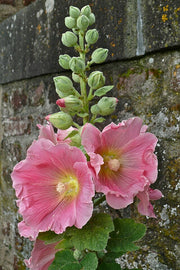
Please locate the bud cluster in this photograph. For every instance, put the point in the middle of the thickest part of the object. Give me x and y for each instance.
(70, 101)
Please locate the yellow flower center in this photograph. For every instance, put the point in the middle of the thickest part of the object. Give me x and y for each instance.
(68, 187)
(112, 161)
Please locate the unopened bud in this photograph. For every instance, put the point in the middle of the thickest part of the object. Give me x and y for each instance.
(86, 10)
(60, 120)
(69, 39)
(64, 60)
(70, 104)
(64, 86)
(107, 105)
(83, 22)
(74, 12)
(95, 109)
(91, 18)
(99, 55)
(77, 64)
(96, 80)
(70, 22)
(91, 36)
(75, 77)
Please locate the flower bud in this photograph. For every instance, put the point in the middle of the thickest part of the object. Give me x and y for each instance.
(74, 12)
(91, 36)
(86, 10)
(75, 77)
(76, 140)
(70, 22)
(77, 64)
(95, 109)
(107, 105)
(96, 80)
(82, 22)
(91, 18)
(69, 39)
(99, 55)
(64, 61)
(64, 86)
(70, 104)
(60, 120)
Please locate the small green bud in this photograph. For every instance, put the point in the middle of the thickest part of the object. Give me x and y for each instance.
(77, 64)
(77, 254)
(96, 80)
(64, 86)
(107, 105)
(74, 12)
(75, 77)
(82, 22)
(70, 22)
(91, 36)
(69, 39)
(99, 55)
(60, 120)
(95, 109)
(86, 10)
(91, 18)
(64, 61)
(70, 104)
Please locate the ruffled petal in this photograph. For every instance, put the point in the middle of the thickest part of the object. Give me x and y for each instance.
(91, 139)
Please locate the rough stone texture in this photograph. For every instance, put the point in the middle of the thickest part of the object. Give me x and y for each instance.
(148, 87)
(128, 28)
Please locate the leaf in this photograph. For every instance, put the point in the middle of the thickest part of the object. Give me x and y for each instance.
(111, 256)
(71, 134)
(64, 244)
(83, 114)
(64, 260)
(89, 262)
(94, 235)
(103, 90)
(109, 266)
(99, 120)
(50, 237)
(126, 232)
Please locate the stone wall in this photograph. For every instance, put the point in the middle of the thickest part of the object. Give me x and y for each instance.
(144, 65)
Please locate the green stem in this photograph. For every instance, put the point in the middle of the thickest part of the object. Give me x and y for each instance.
(99, 200)
(76, 125)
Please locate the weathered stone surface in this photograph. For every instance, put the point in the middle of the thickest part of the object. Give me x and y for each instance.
(149, 88)
(30, 40)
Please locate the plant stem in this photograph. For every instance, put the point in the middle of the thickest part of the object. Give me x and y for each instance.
(99, 200)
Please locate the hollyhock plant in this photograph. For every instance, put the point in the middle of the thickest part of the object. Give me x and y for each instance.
(42, 256)
(54, 188)
(123, 162)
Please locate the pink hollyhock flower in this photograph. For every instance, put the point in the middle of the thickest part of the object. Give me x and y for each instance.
(123, 162)
(42, 256)
(47, 132)
(54, 187)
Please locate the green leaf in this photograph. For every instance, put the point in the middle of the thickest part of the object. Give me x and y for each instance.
(111, 256)
(82, 114)
(126, 232)
(109, 266)
(64, 244)
(94, 235)
(71, 134)
(64, 260)
(89, 262)
(50, 237)
(103, 90)
(99, 120)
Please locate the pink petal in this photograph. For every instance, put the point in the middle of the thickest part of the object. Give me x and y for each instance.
(90, 138)
(47, 132)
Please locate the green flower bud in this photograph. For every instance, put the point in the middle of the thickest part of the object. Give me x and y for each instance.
(95, 109)
(74, 12)
(69, 39)
(82, 22)
(64, 86)
(75, 77)
(99, 55)
(70, 104)
(77, 64)
(91, 36)
(86, 10)
(70, 22)
(60, 120)
(91, 18)
(96, 80)
(107, 105)
(64, 61)
(76, 140)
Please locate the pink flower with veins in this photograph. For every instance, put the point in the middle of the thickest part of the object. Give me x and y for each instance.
(47, 132)
(123, 163)
(42, 256)
(54, 187)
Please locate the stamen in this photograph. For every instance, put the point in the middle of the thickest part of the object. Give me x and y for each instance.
(114, 164)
